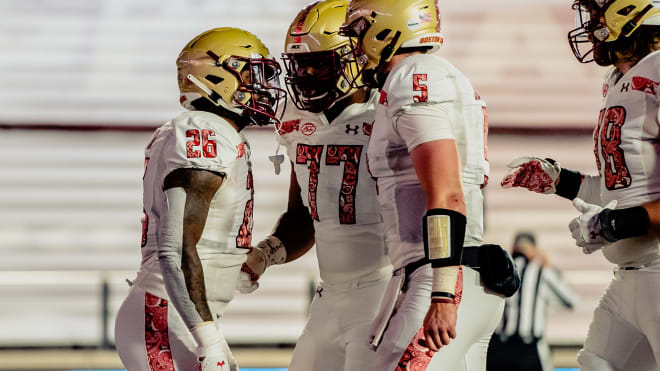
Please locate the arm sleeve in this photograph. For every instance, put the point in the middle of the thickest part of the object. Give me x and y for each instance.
(170, 253)
(425, 123)
(590, 189)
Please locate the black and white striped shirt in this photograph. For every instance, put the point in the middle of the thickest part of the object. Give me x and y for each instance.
(525, 311)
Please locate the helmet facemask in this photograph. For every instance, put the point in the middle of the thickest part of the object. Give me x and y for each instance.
(259, 93)
(582, 38)
(316, 80)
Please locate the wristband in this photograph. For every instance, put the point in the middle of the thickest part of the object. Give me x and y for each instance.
(624, 223)
(206, 334)
(569, 184)
(273, 250)
(444, 283)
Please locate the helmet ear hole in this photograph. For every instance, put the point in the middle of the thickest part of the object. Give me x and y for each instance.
(383, 34)
(625, 11)
(214, 79)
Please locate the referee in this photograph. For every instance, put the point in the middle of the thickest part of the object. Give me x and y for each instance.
(518, 344)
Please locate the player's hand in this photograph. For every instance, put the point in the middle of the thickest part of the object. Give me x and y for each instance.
(534, 173)
(586, 228)
(212, 358)
(252, 269)
(210, 352)
(440, 324)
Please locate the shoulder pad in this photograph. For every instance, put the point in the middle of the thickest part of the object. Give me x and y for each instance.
(202, 140)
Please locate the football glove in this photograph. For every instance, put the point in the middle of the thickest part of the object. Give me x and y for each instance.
(210, 353)
(534, 173)
(586, 228)
(268, 252)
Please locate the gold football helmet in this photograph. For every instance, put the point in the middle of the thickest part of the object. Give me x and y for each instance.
(232, 69)
(320, 64)
(600, 22)
(382, 27)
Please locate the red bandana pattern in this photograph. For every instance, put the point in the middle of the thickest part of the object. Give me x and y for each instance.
(417, 355)
(156, 336)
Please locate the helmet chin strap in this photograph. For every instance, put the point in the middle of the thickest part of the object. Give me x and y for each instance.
(376, 74)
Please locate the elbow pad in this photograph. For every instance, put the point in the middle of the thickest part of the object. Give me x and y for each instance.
(444, 235)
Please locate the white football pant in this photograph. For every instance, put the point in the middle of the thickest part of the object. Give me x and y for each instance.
(336, 336)
(150, 335)
(624, 334)
(478, 315)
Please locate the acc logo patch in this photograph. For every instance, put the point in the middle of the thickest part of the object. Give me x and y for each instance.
(308, 129)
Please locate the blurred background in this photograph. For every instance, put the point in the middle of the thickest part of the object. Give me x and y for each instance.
(84, 83)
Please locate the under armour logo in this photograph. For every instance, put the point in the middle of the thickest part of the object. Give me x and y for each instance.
(319, 291)
(625, 87)
(350, 129)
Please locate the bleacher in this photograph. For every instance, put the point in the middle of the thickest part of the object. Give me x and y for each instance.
(70, 199)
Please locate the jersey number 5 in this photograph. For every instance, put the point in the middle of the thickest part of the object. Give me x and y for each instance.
(417, 86)
(350, 156)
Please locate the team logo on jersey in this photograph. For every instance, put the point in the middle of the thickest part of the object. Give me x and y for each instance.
(366, 128)
(383, 98)
(240, 149)
(606, 87)
(645, 85)
(287, 126)
(308, 129)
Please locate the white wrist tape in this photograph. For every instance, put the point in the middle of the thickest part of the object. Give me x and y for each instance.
(444, 282)
(206, 334)
(273, 251)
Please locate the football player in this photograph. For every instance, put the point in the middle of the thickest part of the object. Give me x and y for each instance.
(427, 152)
(198, 202)
(326, 140)
(619, 208)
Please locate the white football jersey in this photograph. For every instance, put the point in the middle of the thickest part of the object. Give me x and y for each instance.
(416, 82)
(627, 149)
(329, 159)
(201, 140)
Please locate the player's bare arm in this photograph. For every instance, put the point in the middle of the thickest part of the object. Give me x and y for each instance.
(441, 181)
(295, 228)
(292, 237)
(200, 187)
(653, 210)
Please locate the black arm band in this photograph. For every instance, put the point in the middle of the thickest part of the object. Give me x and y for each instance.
(569, 184)
(444, 235)
(625, 223)
(440, 294)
